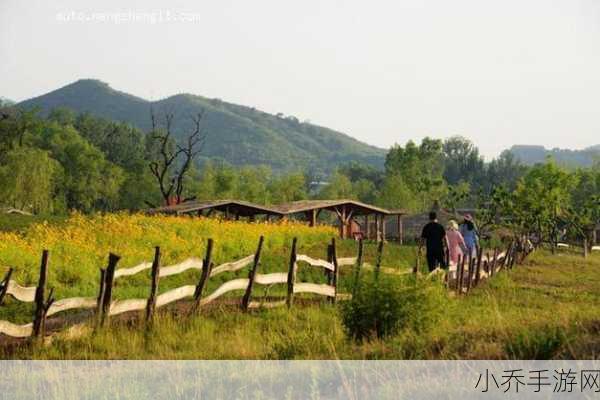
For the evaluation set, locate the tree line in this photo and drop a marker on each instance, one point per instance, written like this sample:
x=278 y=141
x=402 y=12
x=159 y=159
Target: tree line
x=80 y=162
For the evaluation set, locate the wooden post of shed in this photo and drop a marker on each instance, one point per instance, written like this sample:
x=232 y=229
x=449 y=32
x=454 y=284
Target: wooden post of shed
x=252 y=275
x=383 y=229
x=291 y=278
x=367 y=227
x=377 y=228
x=155 y=274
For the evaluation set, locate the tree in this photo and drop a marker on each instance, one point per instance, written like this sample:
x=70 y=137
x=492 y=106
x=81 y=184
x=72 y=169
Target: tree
x=89 y=182
x=287 y=188
x=396 y=194
x=339 y=187
x=584 y=212
x=542 y=198
x=505 y=170
x=462 y=161
x=457 y=195
x=253 y=183
x=28 y=179
x=421 y=169
x=169 y=160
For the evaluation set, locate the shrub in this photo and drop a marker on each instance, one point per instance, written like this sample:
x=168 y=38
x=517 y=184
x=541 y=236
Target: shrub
x=383 y=307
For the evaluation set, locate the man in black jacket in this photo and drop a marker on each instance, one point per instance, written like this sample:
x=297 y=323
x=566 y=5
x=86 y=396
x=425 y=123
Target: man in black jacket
x=434 y=236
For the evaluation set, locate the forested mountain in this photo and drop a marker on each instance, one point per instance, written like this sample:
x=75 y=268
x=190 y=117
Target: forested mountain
x=532 y=154
x=237 y=134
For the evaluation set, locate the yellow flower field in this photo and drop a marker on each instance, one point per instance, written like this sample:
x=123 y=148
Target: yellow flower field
x=80 y=245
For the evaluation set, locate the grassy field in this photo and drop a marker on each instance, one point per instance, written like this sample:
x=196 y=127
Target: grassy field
x=547 y=308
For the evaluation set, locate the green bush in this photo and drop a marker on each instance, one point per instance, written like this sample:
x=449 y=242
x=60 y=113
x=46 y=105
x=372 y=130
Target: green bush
x=383 y=307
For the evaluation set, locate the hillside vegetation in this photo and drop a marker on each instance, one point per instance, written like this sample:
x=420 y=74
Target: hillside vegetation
x=237 y=134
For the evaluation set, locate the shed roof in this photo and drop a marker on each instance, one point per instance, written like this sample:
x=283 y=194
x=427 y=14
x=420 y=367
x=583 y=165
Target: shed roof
x=308 y=205
x=242 y=208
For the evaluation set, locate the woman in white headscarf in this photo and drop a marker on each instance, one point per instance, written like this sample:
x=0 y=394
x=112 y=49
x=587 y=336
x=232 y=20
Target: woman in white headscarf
x=456 y=244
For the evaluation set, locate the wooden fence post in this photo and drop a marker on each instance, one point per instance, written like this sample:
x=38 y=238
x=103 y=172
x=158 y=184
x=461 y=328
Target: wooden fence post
x=328 y=273
x=471 y=272
x=4 y=284
x=109 y=277
x=478 y=270
x=40 y=295
x=335 y=269
x=251 y=275
x=206 y=268
x=378 y=260
x=585 y=247
x=357 y=267
x=155 y=275
x=494 y=262
x=514 y=255
x=39 y=320
x=417 y=261
x=100 y=299
x=291 y=275
x=507 y=256
x=459 y=273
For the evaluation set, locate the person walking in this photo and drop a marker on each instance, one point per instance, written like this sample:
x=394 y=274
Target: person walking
x=468 y=231
x=434 y=236
x=456 y=243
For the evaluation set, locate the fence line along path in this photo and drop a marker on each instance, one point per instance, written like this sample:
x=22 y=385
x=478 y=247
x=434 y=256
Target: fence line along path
x=105 y=306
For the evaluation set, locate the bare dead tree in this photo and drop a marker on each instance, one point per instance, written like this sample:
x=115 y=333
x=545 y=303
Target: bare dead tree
x=173 y=160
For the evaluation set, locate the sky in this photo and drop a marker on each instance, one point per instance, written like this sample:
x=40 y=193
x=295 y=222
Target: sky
x=497 y=72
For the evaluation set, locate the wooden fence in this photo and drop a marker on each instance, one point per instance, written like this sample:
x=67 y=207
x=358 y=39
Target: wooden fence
x=469 y=273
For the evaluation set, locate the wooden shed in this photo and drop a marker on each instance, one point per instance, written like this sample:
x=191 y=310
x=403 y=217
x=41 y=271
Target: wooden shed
x=353 y=216
x=354 y=219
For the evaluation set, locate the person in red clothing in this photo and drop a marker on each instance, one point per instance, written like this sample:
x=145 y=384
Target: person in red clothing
x=456 y=244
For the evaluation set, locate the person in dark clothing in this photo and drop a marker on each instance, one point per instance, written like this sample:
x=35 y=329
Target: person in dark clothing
x=434 y=236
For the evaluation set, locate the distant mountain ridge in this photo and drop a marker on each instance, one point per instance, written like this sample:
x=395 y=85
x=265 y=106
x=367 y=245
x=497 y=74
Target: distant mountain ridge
x=237 y=134
x=532 y=154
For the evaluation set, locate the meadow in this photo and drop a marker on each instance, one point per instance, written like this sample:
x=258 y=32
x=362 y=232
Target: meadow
x=549 y=307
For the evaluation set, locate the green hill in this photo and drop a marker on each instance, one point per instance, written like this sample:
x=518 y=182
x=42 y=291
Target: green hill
x=532 y=154
x=237 y=134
